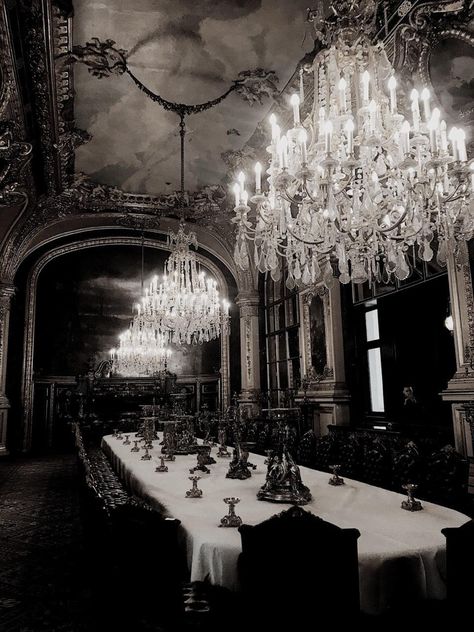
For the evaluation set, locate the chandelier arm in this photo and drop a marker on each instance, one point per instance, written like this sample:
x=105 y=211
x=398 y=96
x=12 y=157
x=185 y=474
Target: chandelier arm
x=286 y=196
x=305 y=187
x=268 y=223
x=421 y=186
x=303 y=241
x=452 y=197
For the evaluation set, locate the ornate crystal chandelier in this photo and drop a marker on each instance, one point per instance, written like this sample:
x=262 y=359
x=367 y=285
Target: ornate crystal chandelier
x=185 y=308
x=141 y=351
x=356 y=184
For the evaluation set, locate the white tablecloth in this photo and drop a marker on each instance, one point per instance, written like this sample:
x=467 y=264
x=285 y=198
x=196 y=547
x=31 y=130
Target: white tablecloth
x=398 y=550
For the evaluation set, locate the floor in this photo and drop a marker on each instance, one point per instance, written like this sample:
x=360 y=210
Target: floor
x=44 y=571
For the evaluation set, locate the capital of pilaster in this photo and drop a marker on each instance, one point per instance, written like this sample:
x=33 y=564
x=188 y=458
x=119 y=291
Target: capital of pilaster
x=248 y=303
x=7 y=290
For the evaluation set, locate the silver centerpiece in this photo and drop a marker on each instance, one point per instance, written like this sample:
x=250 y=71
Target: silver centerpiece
x=283 y=482
x=222 y=451
x=185 y=438
x=203 y=459
x=335 y=478
x=179 y=435
x=239 y=467
x=410 y=504
x=231 y=519
x=162 y=467
x=169 y=436
x=194 y=492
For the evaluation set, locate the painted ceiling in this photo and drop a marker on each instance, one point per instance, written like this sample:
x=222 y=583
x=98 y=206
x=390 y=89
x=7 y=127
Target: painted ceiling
x=187 y=51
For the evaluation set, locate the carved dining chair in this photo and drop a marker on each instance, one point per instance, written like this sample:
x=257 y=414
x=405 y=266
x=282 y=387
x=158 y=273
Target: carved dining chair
x=295 y=563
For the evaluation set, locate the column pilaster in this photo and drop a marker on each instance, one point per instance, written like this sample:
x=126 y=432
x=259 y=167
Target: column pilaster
x=248 y=303
x=6 y=293
x=460 y=389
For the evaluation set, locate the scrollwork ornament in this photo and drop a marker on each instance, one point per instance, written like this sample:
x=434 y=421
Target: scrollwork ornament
x=104 y=59
x=14 y=156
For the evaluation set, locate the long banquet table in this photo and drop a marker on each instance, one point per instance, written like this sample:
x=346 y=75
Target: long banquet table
x=398 y=550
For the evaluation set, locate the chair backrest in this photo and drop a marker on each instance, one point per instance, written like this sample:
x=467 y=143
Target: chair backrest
x=300 y=560
x=460 y=565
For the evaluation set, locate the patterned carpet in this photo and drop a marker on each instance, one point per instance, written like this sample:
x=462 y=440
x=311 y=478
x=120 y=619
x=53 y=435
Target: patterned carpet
x=44 y=574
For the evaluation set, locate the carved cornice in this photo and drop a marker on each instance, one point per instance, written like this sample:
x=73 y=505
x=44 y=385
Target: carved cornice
x=315 y=290
x=37 y=23
x=424 y=25
x=15 y=154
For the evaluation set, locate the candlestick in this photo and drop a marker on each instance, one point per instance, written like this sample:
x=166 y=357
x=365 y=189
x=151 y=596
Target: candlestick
x=443 y=137
x=327 y=136
x=342 y=85
x=453 y=138
x=425 y=97
x=365 y=80
x=433 y=125
x=295 y=102
x=349 y=129
x=415 y=109
x=283 y=150
x=302 y=137
x=276 y=133
x=462 y=145
x=392 y=86
x=258 y=177
x=405 y=137
x=241 y=179
x=372 y=113
x=237 y=194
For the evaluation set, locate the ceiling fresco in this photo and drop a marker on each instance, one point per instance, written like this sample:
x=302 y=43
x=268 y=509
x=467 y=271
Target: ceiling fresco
x=188 y=52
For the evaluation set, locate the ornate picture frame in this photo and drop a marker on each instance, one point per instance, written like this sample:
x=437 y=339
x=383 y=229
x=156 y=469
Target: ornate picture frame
x=316 y=336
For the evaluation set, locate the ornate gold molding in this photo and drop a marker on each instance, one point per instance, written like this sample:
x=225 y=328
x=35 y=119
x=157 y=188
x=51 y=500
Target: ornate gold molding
x=311 y=376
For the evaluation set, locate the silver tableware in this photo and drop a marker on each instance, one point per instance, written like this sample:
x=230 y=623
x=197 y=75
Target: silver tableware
x=162 y=467
x=147 y=455
x=127 y=440
x=335 y=478
x=170 y=455
x=231 y=519
x=410 y=504
x=194 y=492
x=135 y=446
x=223 y=452
x=203 y=458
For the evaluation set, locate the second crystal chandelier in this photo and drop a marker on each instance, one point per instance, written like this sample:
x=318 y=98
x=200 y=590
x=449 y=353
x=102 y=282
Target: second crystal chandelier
x=185 y=307
x=357 y=183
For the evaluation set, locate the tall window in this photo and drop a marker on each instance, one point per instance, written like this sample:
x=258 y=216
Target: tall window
x=374 y=358
x=282 y=338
